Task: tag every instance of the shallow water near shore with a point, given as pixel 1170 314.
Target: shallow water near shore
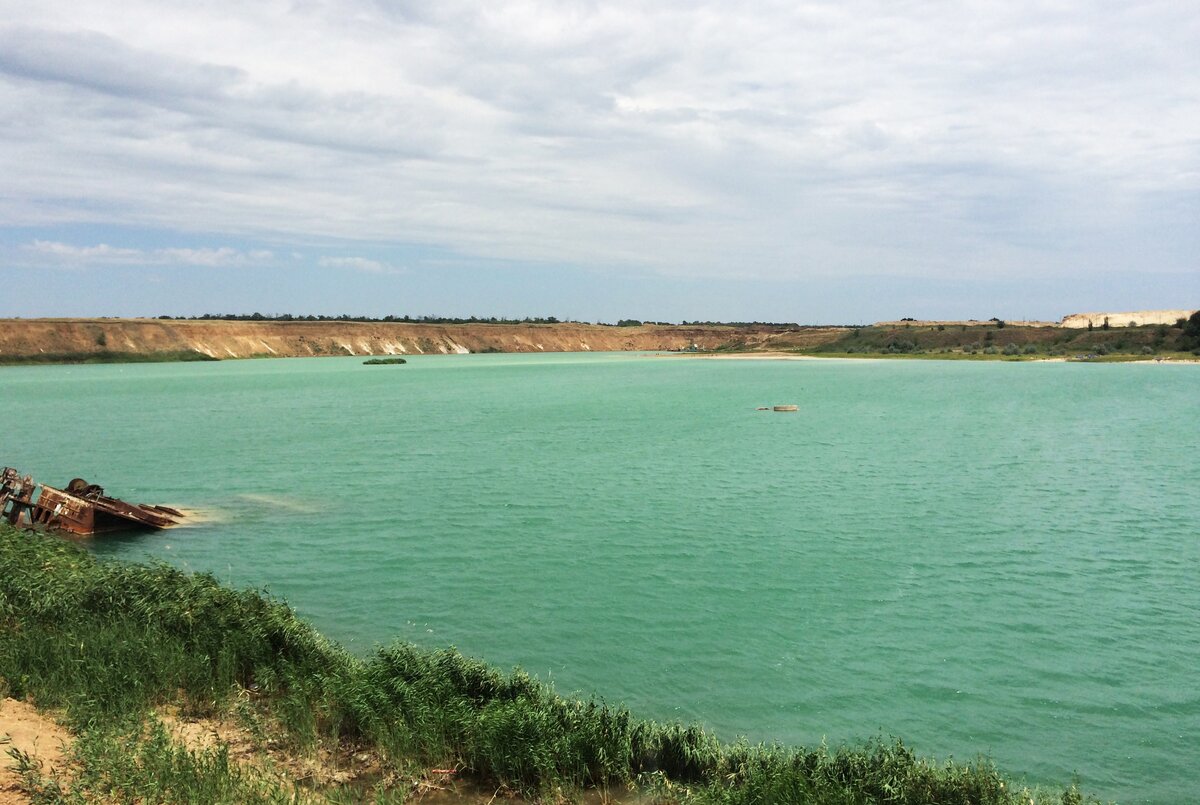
pixel 985 558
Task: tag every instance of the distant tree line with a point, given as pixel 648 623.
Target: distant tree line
pixel 365 319
pixel 775 324
pixel 429 319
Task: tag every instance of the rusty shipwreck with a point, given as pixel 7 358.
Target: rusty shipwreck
pixel 81 508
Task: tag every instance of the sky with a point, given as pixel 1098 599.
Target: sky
pixel 811 162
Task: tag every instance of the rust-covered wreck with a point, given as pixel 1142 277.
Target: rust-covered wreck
pixel 81 508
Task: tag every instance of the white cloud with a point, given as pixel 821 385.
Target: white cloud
pixel 357 264
pixel 102 254
pixel 223 256
pixel 778 140
pixel 99 253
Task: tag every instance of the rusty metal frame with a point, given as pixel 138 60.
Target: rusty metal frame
pixel 81 508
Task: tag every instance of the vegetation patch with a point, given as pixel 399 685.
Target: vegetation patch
pixel 384 361
pixel 998 340
pixel 105 356
pixel 106 643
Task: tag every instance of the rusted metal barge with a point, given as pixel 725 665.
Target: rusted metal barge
pixel 81 508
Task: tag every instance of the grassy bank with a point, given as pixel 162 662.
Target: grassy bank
pixel 104 356
pixel 998 341
pixel 109 645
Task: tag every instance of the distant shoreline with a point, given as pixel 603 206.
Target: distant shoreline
pixel 78 341
pixel 66 341
pixel 787 356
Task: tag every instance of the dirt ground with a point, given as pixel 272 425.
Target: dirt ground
pixel 31 338
pixel 25 729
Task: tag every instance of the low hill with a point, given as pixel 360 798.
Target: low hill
pixel 97 340
pixel 999 339
pixel 1136 318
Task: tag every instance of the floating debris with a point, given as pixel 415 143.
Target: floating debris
pixel 81 508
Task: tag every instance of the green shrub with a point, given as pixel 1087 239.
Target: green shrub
pixel 1190 335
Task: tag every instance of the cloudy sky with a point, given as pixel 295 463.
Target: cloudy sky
pixel 807 161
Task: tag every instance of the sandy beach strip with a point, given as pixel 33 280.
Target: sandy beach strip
pixel 790 356
pixel 747 356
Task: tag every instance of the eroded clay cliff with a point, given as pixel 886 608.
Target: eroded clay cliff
pixel 23 339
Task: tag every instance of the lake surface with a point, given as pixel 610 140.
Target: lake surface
pixel 997 558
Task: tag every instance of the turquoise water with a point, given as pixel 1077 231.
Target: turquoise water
pixel 986 558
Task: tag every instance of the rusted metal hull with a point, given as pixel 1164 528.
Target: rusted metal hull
pixel 81 508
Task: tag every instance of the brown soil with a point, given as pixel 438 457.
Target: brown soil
pixel 318 769
pixel 47 338
pixel 26 730
pixel 323 768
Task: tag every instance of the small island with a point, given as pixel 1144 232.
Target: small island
pixel 384 361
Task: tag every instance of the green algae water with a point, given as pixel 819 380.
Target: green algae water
pixel 996 558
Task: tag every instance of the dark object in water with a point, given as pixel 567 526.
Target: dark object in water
pixel 81 508
pixel 383 361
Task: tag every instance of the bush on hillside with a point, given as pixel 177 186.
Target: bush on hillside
pixel 1191 330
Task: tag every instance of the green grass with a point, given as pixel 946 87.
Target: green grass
pixel 144 764
pixel 991 342
pixel 104 356
pixel 105 642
